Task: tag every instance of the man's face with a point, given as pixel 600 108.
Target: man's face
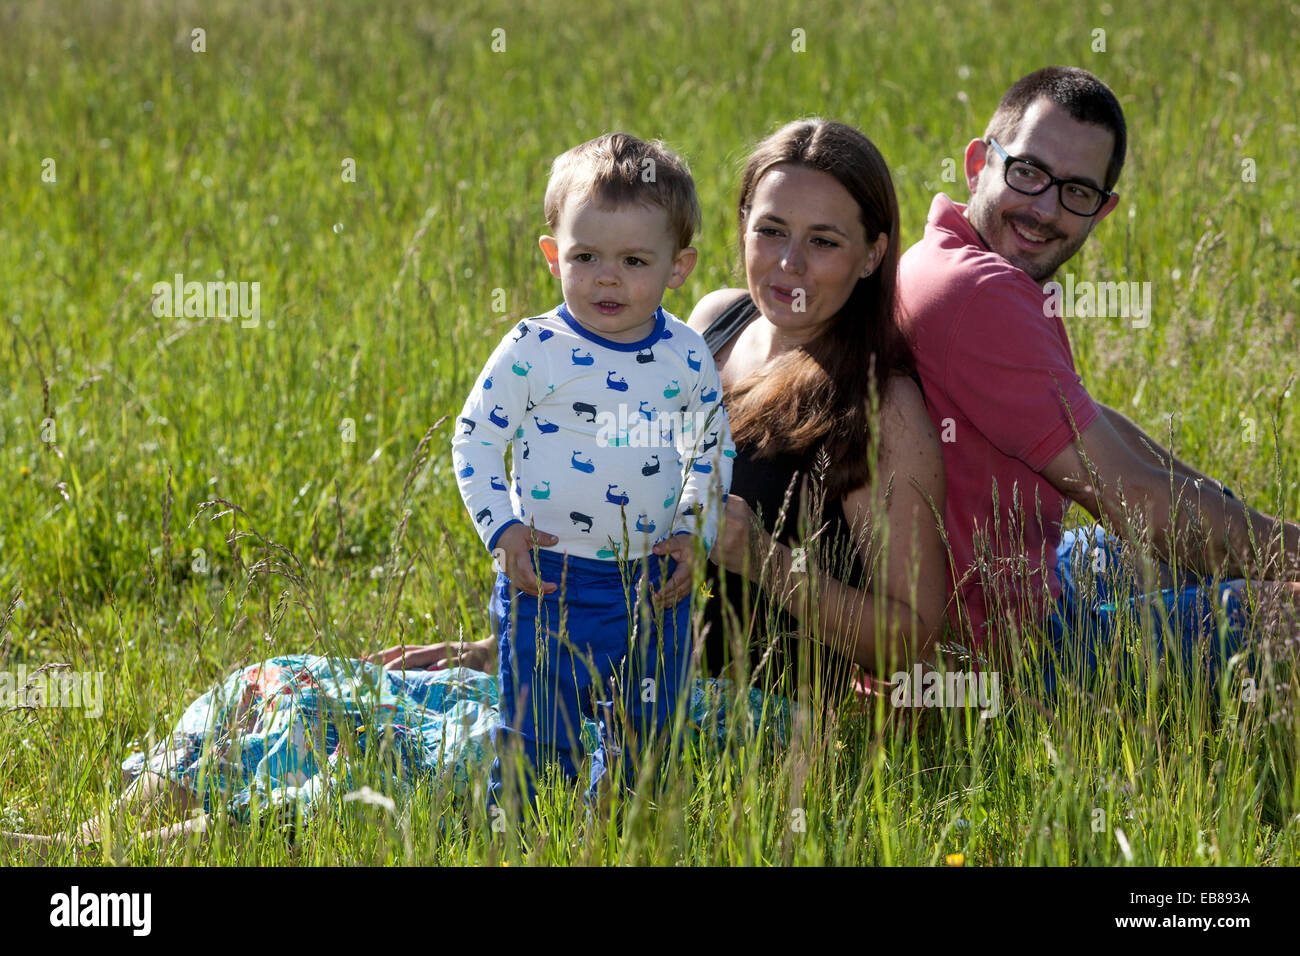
pixel 1036 233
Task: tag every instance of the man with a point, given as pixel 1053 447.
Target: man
pixel 1022 438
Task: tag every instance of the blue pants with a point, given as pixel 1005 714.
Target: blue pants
pixel 1202 621
pixel 571 654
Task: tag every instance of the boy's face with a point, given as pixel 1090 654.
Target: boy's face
pixel 614 263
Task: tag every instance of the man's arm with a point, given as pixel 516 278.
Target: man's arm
pixel 1190 521
pixel 1144 446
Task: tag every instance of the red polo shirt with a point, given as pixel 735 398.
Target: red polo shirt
pixel 1001 387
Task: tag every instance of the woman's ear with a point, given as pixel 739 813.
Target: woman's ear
pixel 876 252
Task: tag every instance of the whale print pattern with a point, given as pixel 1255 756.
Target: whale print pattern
pixel 611 446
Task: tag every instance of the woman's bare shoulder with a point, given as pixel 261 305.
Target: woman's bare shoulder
pixel 903 397
pixel 907 433
pixel 712 306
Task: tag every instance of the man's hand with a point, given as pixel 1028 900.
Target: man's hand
pixel 514 553
pixel 681 548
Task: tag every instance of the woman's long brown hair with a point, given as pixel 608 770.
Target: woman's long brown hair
pixel 820 395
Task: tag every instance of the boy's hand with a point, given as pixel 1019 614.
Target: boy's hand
pixel 681 548
pixel 514 552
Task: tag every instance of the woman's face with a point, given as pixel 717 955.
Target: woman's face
pixel 805 248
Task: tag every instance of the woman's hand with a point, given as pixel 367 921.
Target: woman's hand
pixel 738 534
pixel 477 655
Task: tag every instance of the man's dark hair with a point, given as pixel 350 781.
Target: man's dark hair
pixel 1086 98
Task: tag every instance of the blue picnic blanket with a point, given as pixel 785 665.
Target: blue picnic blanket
pixel 285 733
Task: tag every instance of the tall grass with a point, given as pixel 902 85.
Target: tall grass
pixel 197 506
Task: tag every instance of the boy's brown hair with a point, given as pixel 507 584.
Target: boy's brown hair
pixel 618 168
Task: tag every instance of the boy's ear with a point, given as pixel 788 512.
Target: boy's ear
pixel 551 249
pixel 683 263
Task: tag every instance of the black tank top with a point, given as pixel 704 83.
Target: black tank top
pixel 757 625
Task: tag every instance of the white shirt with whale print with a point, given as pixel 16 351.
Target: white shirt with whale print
pixel 614 445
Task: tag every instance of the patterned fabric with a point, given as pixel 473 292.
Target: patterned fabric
pixel 278 734
pixel 614 445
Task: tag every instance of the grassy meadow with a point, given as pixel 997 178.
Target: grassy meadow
pixel 180 495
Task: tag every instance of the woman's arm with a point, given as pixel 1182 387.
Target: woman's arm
pixel 897 527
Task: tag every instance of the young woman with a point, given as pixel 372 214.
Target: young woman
pixel 832 552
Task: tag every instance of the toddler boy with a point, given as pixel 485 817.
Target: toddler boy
pixel 620 453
